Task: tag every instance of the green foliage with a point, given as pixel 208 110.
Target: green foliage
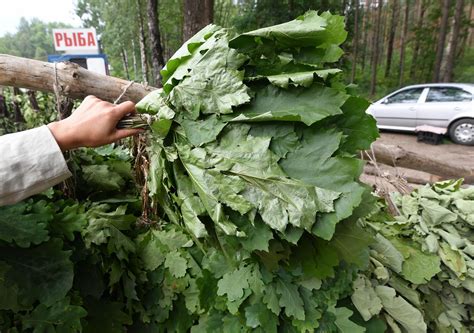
pixel 232 174
pixel 33 39
pixel 419 275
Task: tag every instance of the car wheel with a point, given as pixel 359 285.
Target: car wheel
pixel 462 132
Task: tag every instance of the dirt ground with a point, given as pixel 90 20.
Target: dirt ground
pixel 458 154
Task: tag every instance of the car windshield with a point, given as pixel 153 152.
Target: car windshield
pixel 406 96
pixel 445 94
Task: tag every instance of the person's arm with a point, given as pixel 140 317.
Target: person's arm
pixel 32 161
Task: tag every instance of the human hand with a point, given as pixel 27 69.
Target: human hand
pixel 93 124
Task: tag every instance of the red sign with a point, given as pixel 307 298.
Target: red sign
pixel 75 39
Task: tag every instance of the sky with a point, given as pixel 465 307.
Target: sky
pixel 11 11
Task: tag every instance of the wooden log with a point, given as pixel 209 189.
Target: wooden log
pixel 399 157
pixel 410 175
pixel 73 80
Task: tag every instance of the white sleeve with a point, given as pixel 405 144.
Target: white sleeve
pixel 30 162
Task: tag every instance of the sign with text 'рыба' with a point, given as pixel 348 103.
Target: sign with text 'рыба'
pixel 82 41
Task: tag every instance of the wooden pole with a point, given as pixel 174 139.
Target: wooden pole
pixel 73 80
pixel 399 157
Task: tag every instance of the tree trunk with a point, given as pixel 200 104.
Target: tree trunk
pixel 376 48
pixel 441 41
pixel 125 63
pixel 448 75
pixel 197 14
pixel 399 157
pixel 471 19
pixel 410 175
pixel 416 50
pixel 17 107
pixel 343 7
pixel 73 80
pixel 291 9
pixel 3 105
pixel 33 101
pixel 403 43
pixel 142 40
pixel 355 43
pixel 155 41
pixel 65 107
pixel 365 29
pixel 134 59
pixel 391 37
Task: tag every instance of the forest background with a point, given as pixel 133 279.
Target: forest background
pixel 390 43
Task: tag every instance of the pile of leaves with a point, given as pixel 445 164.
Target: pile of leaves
pixel 252 166
pixel 422 262
pixel 253 178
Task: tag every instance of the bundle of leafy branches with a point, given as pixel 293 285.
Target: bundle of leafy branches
pixel 253 178
pixel 421 274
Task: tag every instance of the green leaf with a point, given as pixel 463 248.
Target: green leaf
pixel 283 136
pixel 191 205
pixel 103 176
pixel 309 29
pixel 25 224
pixel 325 226
pixel 154 103
pixel 43 273
pixel 151 251
pixel 59 317
pixel 215 84
pixel 306 105
pixel 312 313
pixel 400 310
pixel 176 264
pixel 344 324
pixel 258 237
pixel 435 214
pixel 211 322
pixel 359 128
pixel 351 244
pixel 202 131
pixel 270 298
pixel 234 283
pixel 387 253
pixel 453 259
pixel 418 267
pixel 290 299
pixel 297 78
pixel 257 315
pixel 365 298
pixel 182 57
pixel 70 220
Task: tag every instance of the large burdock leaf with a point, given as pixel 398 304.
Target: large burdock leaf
pixel 186 55
pixel 293 104
pixel 297 78
pixel 333 173
pixel 215 83
pixel 309 30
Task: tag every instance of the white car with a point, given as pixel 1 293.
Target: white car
pixel 446 105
